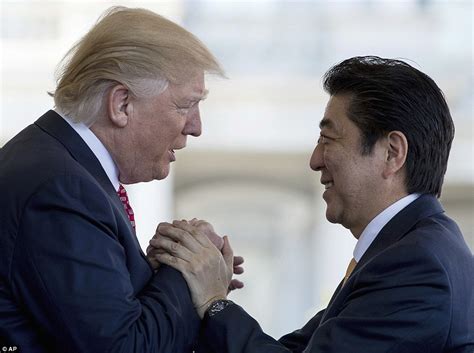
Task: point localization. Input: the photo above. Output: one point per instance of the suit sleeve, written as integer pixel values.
(70, 273)
(237, 331)
(398, 303)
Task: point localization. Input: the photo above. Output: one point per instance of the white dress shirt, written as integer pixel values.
(98, 148)
(375, 226)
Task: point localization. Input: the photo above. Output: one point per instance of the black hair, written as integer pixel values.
(390, 95)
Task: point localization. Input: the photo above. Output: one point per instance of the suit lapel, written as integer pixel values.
(56, 126)
(425, 206)
(330, 307)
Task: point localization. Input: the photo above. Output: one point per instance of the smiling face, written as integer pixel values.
(142, 134)
(354, 183)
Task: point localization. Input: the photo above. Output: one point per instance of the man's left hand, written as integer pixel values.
(206, 228)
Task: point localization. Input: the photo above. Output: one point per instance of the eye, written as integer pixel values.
(324, 139)
(184, 110)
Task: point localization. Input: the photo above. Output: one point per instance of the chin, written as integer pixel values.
(332, 216)
(162, 173)
(159, 177)
(331, 219)
(137, 178)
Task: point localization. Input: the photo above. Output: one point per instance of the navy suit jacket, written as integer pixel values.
(411, 292)
(72, 275)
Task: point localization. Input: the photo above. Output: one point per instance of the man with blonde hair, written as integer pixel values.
(73, 277)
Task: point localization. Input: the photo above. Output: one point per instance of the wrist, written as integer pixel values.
(202, 309)
(217, 306)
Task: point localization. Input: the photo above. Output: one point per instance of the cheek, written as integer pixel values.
(330, 159)
(173, 128)
(166, 137)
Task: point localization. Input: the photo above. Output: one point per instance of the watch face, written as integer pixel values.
(218, 306)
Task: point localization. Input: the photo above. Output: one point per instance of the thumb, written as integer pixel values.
(227, 253)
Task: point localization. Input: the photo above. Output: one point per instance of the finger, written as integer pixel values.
(172, 261)
(238, 260)
(197, 235)
(230, 288)
(238, 270)
(155, 251)
(227, 252)
(148, 249)
(180, 236)
(154, 263)
(158, 227)
(199, 222)
(236, 284)
(173, 248)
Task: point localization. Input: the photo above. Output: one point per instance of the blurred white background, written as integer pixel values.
(248, 173)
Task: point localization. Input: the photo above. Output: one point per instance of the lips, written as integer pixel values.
(172, 155)
(327, 184)
(171, 151)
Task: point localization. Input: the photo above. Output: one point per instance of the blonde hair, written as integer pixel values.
(133, 47)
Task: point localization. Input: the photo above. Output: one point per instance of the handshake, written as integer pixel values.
(205, 259)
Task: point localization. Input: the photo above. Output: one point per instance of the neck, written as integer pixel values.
(357, 229)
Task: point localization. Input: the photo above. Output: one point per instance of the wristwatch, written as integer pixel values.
(218, 306)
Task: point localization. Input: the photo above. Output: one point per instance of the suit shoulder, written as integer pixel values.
(31, 158)
(440, 235)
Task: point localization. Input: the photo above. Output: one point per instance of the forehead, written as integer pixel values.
(335, 116)
(192, 88)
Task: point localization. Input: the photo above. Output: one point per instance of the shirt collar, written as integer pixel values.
(375, 226)
(98, 148)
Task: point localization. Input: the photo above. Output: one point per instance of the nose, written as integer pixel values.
(193, 124)
(316, 162)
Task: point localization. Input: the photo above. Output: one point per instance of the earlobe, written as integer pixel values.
(118, 105)
(397, 149)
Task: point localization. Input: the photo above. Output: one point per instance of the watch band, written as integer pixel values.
(218, 306)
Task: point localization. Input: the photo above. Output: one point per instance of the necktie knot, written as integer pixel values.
(122, 194)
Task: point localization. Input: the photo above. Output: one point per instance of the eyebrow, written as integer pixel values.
(197, 98)
(326, 123)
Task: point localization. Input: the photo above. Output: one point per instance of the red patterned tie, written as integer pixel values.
(122, 193)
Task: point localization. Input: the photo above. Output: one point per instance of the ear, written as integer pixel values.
(397, 149)
(119, 105)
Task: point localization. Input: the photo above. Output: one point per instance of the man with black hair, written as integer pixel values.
(382, 154)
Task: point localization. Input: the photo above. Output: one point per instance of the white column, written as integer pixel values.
(152, 203)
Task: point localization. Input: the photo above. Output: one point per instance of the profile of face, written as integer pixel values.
(353, 181)
(154, 128)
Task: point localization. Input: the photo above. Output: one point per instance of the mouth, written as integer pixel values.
(172, 152)
(327, 184)
(172, 155)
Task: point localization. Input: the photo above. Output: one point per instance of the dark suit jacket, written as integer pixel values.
(72, 276)
(411, 292)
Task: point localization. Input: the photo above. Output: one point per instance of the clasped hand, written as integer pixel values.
(204, 258)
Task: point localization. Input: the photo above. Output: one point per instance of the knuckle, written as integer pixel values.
(177, 235)
(174, 246)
